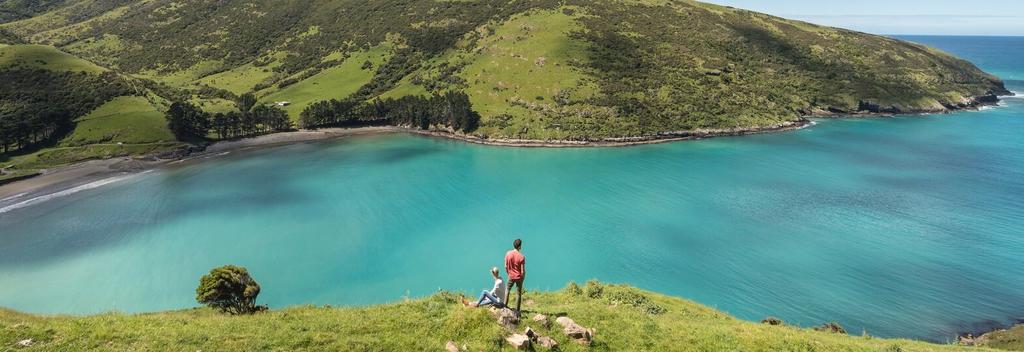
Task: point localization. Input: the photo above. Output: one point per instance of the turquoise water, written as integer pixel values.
(910, 226)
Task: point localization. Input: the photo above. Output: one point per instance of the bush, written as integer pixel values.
(833, 327)
(574, 289)
(449, 297)
(636, 300)
(772, 321)
(229, 289)
(594, 289)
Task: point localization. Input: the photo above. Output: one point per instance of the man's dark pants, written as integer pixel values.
(508, 293)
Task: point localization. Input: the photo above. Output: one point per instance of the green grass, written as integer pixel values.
(335, 82)
(184, 78)
(129, 120)
(44, 57)
(405, 87)
(60, 156)
(527, 57)
(101, 49)
(426, 324)
(72, 32)
(215, 105)
(1010, 339)
(125, 126)
(14, 174)
(241, 79)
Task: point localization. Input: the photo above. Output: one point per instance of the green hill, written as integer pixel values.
(535, 69)
(56, 109)
(28, 56)
(623, 318)
(11, 10)
(7, 38)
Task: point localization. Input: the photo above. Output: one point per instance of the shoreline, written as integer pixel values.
(66, 177)
(74, 175)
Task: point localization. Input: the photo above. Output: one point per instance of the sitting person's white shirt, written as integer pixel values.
(499, 290)
(495, 296)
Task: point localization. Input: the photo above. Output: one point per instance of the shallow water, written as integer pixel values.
(909, 226)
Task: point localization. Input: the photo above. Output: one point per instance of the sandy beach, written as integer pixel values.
(75, 175)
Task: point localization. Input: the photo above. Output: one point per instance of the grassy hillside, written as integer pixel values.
(11, 10)
(78, 110)
(1010, 339)
(335, 82)
(126, 125)
(127, 120)
(621, 317)
(7, 38)
(537, 69)
(29, 56)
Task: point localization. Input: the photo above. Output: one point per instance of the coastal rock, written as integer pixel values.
(575, 331)
(966, 339)
(506, 317)
(530, 333)
(519, 341)
(987, 99)
(547, 342)
(876, 108)
(451, 347)
(832, 327)
(772, 321)
(836, 110)
(542, 320)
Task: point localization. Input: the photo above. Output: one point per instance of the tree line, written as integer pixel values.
(39, 106)
(449, 110)
(190, 123)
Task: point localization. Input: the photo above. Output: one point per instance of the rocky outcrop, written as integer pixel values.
(575, 331)
(507, 318)
(536, 339)
(519, 341)
(990, 98)
(547, 342)
(772, 321)
(867, 106)
(871, 108)
(832, 327)
(542, 320)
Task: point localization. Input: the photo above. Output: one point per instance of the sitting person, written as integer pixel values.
(494, 296)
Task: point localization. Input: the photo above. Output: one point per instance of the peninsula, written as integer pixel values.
(93, 79)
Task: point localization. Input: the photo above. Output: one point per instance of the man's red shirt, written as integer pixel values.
(515, 265)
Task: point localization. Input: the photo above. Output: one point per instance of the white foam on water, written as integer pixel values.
(19, 195)
(63, 193)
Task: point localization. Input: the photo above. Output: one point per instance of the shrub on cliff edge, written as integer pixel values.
(229, 289)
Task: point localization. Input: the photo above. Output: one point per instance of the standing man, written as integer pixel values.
(515, 266)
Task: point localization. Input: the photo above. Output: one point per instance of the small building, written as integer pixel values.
(282, 103)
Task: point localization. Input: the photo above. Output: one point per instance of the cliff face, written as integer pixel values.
(534, 69)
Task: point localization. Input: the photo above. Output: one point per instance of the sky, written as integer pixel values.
(938, 17)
